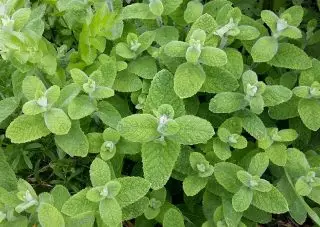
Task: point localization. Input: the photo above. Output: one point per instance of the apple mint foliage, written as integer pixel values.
(165, 113)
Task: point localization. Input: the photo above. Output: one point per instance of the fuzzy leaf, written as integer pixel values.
(7, 107)
(192, 185)
(110, 212)
(173, 218)
(158, 161)
(81, 107)
(100, 172)
(188, 79)
(212, 56)
(264, 49)
(57, 121)
(309, 110)
(49, 216)
(227, 102)
(26, 128)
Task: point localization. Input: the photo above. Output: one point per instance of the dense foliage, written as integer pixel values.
(159, 113)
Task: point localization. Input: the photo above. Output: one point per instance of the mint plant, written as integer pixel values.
(159, 113)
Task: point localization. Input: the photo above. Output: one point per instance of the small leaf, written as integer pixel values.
(193, 130)
(227, 102)
(110, 212)
(253, 124)
(212, 56)
(276, 94)
(139, 128)
(173, 218)
(258, 165)
(176, 49)
(81, 107)
(7, 107)
(188, 79)
(226, 175)
(26, 128)
(75, 143)
(192, 185)
(242, 199)
(49, 216)
(100, 172)
(264, 49)
(291, 57)
(309, 110)
(57, 121)
(158, 161)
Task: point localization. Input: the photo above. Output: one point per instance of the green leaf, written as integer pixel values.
(227, 102)
(108, 114)
(272, 201)
(78, 204)
(136, 209)
(291, 57)
(110, 212)
(7, 107)
(176, 49)
(82, 220)
(31, 85)
(302, 187)
(170, 6)
(49, 216)
(173, 218)
(253, 124)
(33, 108)
(127, 82)
(81, 107)
(212, 56)
(161, 92)
(132, 189)
(145, 67)
(221, 149)
(60, 195)
(226, 175)
(139, 128)
(57, 121)
(188, 79)
(277, 153)
(137, 11)
(158, 161)
(192, 185)
(231, 217)
(8, 178)
(218, 80)
(100, 172)
(242, 199)
(276, 94)
(258, 165)
(193, 11)
(67, 94)
(166, 34)
(235, 62)
(247, 32)
(193, 130)
(309, 110)
(264, 49)
(75, 143)
(26, 128)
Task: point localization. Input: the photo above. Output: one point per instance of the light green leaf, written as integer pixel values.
(276, 94)
(78, 204)
(302, 187)
(158, 161)
(161, 92)
(272, 201)
(173, 218)
(49, 216)
(57, 121)
(291, 57)
(60, 195)
(8, 178)
(192, 185)
(75, 143)
(242, 199)
(258, 165)
(144, 67)
(309, 110)
(26, 128)
(100, 172)
(137, 11)
(227, 102)
(221, 149)
(235, 62)
(253, 124)
(110, 212)
(193, 130)
(226, 175)
(170, 6)
(32, 108)
(139, 128)
(7, 107)
(193, 11)
(81, 107)
(31, 85)
(82, 220)
(127, 82)
(176, 49)
(264, 49)
(108, 114)
(247, 32)
(166, 34)
(67, 94)
(136, 209)
(213, 56)
(132, 189)
(188, 79)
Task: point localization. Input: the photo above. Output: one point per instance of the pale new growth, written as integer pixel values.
(109, 145)
(251, 90)
(134, 45)
(104, 192)
(281, 25)
(233, 138)
(201, 167)
(7, 23)
(42, 101)
(253, 183)
(224, 29)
